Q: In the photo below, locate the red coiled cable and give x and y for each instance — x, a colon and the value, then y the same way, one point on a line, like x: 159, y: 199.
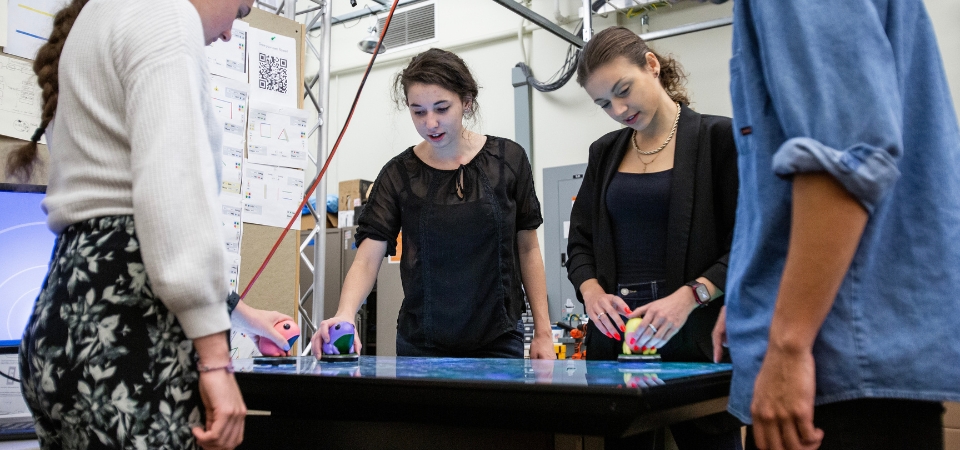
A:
x: 316, y: 181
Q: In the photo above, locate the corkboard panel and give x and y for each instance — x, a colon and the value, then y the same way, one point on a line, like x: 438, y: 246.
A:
x: 278, y: 287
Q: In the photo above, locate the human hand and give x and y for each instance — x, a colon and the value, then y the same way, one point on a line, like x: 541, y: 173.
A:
x: 260, y: 323
x: 782, y: 407
x: 604, y: 309
x: 542, y: 370
x: 662, y: 319
x: 323, y: 334
x: 642, y: 379
x: 542, y: 346
x: 225, y: 411
x: 719, y: 335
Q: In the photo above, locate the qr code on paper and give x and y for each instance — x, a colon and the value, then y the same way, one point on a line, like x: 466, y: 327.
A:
x: 273, y: 73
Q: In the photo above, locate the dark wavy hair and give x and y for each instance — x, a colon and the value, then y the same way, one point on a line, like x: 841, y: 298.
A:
x: 441, y: 68
x: 615, y: 42
x: 20, y: 162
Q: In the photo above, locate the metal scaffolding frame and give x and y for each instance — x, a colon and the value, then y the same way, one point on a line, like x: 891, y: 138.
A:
x: 315, y: 17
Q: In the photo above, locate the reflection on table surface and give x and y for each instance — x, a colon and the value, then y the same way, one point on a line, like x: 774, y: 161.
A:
x: 510, y: 371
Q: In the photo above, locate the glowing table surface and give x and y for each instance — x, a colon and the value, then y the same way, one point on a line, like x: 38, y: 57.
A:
x: 603, y: 398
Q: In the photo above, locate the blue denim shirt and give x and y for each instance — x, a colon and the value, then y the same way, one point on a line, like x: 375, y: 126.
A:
x: 857, y: 91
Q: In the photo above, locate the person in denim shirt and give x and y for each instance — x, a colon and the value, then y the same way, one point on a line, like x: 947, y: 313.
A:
x: 842, y: 302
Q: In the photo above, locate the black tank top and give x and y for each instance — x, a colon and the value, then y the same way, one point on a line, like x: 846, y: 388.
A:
x: 639, y: 204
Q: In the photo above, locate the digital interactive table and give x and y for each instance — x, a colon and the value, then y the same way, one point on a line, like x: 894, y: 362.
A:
x: 397, y: 402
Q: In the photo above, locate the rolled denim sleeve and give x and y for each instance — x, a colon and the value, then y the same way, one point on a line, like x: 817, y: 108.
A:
x: 864, y: 171
x: 834, y: 87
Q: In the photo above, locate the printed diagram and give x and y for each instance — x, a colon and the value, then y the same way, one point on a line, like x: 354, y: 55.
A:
x: 230, y: 105
x: 24, y: 127
x: 224, y: 108
x: 267, y: 133
x: 21, y: 99
x: 229, y: 59
x: 277, y: 136
x: 271, y: 195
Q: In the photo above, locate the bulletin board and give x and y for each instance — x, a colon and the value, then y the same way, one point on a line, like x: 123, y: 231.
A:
x: 278, y: 287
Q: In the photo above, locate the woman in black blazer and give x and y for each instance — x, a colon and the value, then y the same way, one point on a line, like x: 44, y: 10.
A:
x: 651, y: 227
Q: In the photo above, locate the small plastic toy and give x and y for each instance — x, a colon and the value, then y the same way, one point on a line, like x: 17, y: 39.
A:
x: 289, y: 330
x: 632, y: 353
x: 340, y: 346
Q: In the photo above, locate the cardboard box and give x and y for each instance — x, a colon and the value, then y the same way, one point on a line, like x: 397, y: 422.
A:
x: 951, y: 439
x: 353, y: 193
x: 951, y: 419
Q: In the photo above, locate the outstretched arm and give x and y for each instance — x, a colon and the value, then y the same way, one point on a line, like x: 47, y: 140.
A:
x: 356, y: 287
x: 535, y: 285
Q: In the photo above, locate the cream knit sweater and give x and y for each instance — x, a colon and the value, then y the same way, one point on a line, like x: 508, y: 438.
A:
x: 135, y: 133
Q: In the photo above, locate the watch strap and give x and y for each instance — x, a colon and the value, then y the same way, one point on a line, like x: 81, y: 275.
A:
x: 696, y: 285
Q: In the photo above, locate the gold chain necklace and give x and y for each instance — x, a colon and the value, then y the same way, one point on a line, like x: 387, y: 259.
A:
x: 656, y: 152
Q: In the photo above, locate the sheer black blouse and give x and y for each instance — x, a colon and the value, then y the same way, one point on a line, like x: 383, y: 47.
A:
x: 460, y: 265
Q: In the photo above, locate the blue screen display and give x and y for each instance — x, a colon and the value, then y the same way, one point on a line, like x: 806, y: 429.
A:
x: 557, y: 372
x: 25, y: 247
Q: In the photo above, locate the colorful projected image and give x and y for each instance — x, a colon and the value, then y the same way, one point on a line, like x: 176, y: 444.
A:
x: 25, y: 247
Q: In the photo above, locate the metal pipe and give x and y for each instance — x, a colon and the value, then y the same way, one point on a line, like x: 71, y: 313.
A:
x: 543, y: 22
x: 686, y: 29
x: 309, y: 10
x: 366, y: 11
x: 320, y: 242
x: 587, y: 21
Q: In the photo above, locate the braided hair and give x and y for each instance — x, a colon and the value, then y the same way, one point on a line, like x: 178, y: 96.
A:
x: 20, y: 162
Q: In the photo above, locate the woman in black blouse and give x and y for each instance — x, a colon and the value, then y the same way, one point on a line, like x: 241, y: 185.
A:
x: 469, y: 214
x: 660, y: 197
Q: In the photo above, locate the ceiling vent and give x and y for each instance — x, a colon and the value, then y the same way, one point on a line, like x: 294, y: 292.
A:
x: 409, y: 27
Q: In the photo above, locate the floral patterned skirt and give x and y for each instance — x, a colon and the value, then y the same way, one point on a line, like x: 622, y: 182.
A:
x: 104, y: 364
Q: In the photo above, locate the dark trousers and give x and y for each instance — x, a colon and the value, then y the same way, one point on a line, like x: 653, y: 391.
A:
x: 689, y: 435
x: 877, y: 424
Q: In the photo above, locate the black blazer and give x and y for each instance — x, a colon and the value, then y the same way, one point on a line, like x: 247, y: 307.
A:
x: 703, y: 198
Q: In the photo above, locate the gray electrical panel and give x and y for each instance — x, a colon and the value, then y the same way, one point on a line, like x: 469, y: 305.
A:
x: 560, y: 187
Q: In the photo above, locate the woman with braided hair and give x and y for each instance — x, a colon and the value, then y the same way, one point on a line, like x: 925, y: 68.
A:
x: 127, y: 346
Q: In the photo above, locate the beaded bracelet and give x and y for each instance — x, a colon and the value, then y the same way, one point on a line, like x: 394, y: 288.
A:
x: 203, y: 368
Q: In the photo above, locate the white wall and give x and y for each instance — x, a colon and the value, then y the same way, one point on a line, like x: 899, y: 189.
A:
x: 484, y: 34
x: 565, y: 122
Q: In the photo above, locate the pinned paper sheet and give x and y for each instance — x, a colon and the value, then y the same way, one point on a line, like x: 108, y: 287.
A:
x: 273, y: 63
x: 277, y: 136
x: 230, y: 103
x: 231, y: 217
x: 233, y: 271
x: 21, y: 101
x: 271, y: 195
x: 242, y: 346
x: 229, y: 59
x: 29, y: 23
x: 232, y: 220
